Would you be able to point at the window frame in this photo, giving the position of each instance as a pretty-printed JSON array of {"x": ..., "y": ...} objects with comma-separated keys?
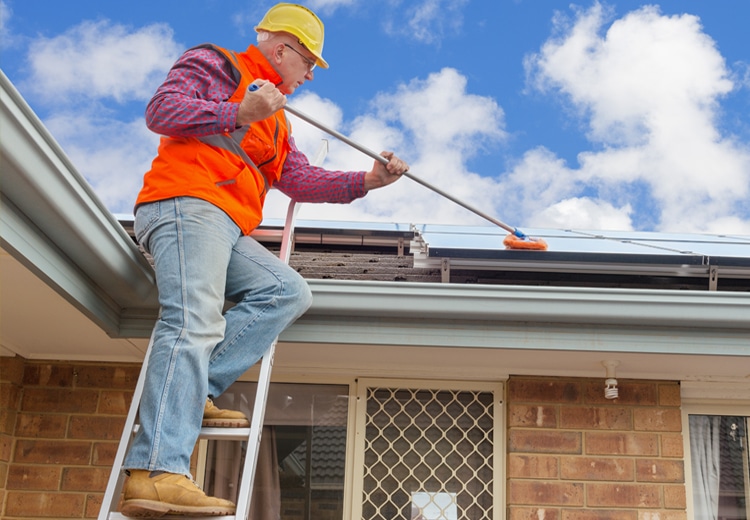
[{"x": 722, "y": 399}]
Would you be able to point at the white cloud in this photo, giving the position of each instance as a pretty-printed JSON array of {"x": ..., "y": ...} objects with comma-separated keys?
[
  {"x": 434, "y": 124},
  {"x": 112, "y": 155},
  {"x": 427, "y": 21},
  {"x": 7, "y": 38},
  {"x": 101, "y": 60},
  {"x": 83, "y": 77},
  {"x": 649, "y": 88},
  {"x": 329, "y": 6},
  {"x": 584, "y": 213}
]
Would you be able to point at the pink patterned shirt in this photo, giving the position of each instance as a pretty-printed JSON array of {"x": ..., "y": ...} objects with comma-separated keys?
[{"x": 191, "y": 103}]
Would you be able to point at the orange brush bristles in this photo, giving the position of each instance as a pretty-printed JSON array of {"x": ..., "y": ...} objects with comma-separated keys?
[{"x": 514, "y": 242}]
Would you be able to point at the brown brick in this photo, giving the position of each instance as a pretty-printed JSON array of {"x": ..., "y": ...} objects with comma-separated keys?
[
  {"x": 96, "y": 427},
  {"x": 42, "y": 478},
  {"x": 41, "y": 425},
  {"x": 6, "y": 445},
  {"x": 532, "y": 416},
  {"x": 672, "y": 445},
  {"x": 3, "y": 476},
  {"x": 591, "y": 468},
  {"x": 532, "y": 466},
  {"x": 11, "y": 369},
  {"x": 662, "y": 515},
  {"x": 46, "y": 374},
  {"x": 544, "y": 441},
  {"x": 675, "y": 497},
  {"x": 10, "y": 395},
  {"x": 595, "y": 418},
  {"x": 657, "y": 419},
  {"x": 52, "y": 452},
  {"x": 598, "y": 514},
  {"x": 660, "y": 470},
  {"x": 544, "y": 391},
  {"x": 533, "y": 513},
  {"x": 638, "y": 444},
  {"x": 84, "y": 479},
  {"x": 536, "y": 493},
  {"x": 104, "y": 453},
  {"x": 116, "y": 402},
  {"x": 59, "y": 400},
  {"x": 41, "y": 505},
  {"x": 630, "y": 393},
  {"x": 7, "y": 420},
  {"x": 623, "y": 495},
  {"x": 122, "y": 377},
  {"x": 669, "y": 394},
  {"x": 93, "y": 505}
]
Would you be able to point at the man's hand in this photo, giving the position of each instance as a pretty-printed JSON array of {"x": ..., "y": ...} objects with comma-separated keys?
[
  {"x": 260, "y": 104},
  {"x": 385, "y": 174}
]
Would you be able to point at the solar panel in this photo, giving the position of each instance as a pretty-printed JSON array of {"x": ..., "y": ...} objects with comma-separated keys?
[{"x": 587, "y": 246}]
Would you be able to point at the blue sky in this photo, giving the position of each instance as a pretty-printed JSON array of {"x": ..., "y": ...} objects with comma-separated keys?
[{"x": 593, "y": 115}]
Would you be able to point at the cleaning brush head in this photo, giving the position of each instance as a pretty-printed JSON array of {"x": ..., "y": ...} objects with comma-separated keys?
[{"x": 518, "y": 240}]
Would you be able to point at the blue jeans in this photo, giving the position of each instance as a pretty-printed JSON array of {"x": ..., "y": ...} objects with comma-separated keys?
[{"x": 201, "y": 260}]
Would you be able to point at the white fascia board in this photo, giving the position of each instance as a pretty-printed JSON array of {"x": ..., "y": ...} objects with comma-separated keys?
[
  {"x": 540, "y": 318},
  {"x": 54, "y": 224},
  {"x": 584, "y": 305}
]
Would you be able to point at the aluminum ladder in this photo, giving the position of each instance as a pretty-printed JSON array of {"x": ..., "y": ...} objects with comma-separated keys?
[{"x": 252, "y": 434}]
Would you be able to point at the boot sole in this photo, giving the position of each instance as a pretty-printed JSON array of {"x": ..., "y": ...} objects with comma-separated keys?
[{"x": 141, "y": 508}]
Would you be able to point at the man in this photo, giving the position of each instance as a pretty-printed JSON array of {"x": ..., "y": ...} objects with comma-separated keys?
[{"x": 226, "y": 143}]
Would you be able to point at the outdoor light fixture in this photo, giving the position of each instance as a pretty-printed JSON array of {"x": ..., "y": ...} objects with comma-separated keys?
[{"x": 610, "y": 384}]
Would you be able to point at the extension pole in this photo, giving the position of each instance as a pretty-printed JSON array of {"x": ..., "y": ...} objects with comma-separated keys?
[{"x": 413, "y": 177}]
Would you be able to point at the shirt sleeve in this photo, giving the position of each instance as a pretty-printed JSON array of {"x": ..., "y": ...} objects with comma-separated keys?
[
  {"x": 303, "y": 182},
  {"x": 192, "y": 100}
]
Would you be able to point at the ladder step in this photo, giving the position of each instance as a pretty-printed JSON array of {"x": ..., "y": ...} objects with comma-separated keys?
[
  {"x": 218, "y": 433},
  {"x": 120, "y": 516},
  {"x": 235, "y": 434}
]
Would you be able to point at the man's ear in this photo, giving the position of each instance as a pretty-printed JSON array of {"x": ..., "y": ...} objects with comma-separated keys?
[{"x": 278, "y": 52}]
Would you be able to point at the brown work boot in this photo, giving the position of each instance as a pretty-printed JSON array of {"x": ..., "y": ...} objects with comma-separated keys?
[
  {"x": 168, "y": 494},
  {"x": 216, "y": 417}
]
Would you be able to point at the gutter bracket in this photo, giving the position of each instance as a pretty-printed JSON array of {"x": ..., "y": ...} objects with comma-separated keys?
[
  {"x": 713, "y": 278},
  {"x": 445, "y": 270}
]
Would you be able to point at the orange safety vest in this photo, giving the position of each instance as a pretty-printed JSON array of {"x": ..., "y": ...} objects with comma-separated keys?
[{"x": 233, "y": 170}]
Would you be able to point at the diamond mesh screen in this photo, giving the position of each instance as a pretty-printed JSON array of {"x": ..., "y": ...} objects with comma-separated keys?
[{"x": 428, "y": 455}]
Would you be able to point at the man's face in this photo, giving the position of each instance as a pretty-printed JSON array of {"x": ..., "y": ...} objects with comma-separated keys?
[{"x": 295, "y": 67}]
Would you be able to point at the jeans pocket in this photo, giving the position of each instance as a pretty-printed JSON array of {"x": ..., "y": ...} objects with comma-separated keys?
[{"x": 145, "y": 216}]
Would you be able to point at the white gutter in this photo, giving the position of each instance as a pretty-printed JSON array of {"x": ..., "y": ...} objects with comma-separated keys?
[{"x": 551, "y": 318}]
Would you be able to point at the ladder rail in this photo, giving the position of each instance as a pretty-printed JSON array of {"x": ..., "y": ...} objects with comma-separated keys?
[
  {"x": 247, "y": 479},
  {"x": 116, "y": 480}
]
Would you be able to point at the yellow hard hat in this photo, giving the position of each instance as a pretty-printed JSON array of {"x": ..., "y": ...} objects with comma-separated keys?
[{"x": 299, "y": 21}]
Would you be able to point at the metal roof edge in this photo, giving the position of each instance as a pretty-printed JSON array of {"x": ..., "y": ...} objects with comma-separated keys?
[{"x": 54, "y": 224}]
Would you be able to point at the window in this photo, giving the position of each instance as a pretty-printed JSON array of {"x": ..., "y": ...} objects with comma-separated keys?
[
  {"x": 419, "y": 451},
  {"x": 301, "y": 463},
  {"x": 720, "y": 467}
]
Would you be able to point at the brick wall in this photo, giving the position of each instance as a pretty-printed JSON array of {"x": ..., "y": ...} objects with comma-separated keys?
[
  {"x": 60, "y": 424},
  {"x": 574, "y": 455}
]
